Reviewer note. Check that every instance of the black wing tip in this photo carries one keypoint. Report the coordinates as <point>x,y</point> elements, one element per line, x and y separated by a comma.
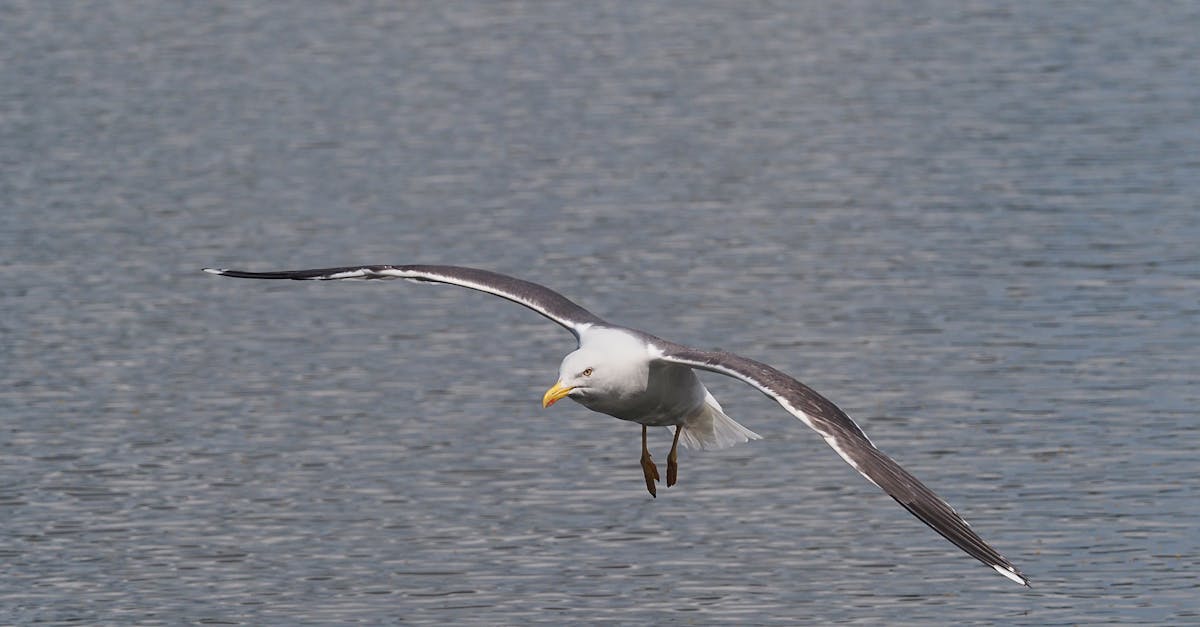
<point>241,274</point>
<point>297,275</point>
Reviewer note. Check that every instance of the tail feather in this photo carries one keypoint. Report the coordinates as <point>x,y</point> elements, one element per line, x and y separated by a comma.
<point>710,428</point>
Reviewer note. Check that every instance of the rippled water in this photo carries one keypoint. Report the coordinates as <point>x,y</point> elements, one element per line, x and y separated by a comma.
<point>972,225</point>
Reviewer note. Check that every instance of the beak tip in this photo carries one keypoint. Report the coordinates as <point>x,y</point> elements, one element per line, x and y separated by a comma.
<point>554,394</point>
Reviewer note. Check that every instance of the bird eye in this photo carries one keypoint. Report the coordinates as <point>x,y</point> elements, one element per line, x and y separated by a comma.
<point>587,372</point>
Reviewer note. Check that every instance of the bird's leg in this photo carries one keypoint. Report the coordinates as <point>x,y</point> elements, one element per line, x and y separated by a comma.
<point>673,458</point>
<point>648,467</point>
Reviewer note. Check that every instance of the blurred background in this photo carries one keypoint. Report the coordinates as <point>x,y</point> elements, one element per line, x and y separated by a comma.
<point>973,225</point>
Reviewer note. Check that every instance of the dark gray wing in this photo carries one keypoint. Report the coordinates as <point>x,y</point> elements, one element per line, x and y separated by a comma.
<point>841,433</point>
<point>539,298</point>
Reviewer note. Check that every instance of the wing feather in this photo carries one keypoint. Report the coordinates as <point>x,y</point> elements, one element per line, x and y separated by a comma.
<point>539,298</point>
<point>849,440</point>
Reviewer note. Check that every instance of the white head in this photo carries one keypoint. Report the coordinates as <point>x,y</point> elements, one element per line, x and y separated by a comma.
<point>609,364</point>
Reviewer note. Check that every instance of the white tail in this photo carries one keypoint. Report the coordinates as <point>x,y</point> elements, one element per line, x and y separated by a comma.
<point>710,428</point>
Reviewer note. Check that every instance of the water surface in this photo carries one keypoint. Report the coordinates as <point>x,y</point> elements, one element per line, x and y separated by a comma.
<point>972,226</point>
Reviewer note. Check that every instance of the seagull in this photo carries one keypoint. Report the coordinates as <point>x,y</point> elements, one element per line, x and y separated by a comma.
<point>635,376</point>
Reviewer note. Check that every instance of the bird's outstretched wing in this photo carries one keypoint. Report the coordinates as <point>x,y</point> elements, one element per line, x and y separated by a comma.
<point>841,433</point>
<point>539,298</point>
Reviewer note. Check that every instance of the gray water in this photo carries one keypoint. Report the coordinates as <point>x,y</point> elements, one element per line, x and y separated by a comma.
<point>973,225</point>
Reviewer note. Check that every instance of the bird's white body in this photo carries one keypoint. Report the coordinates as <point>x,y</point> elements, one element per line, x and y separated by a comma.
<point>624,380</point>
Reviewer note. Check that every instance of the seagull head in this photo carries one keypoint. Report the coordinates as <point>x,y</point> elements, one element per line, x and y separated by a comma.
<point>607,366</point>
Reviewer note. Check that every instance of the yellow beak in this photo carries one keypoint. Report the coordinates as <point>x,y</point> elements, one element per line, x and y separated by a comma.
<point>555,394</point>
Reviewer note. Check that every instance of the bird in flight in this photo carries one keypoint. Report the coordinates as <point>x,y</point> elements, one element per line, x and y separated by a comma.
<point>635,376</point>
